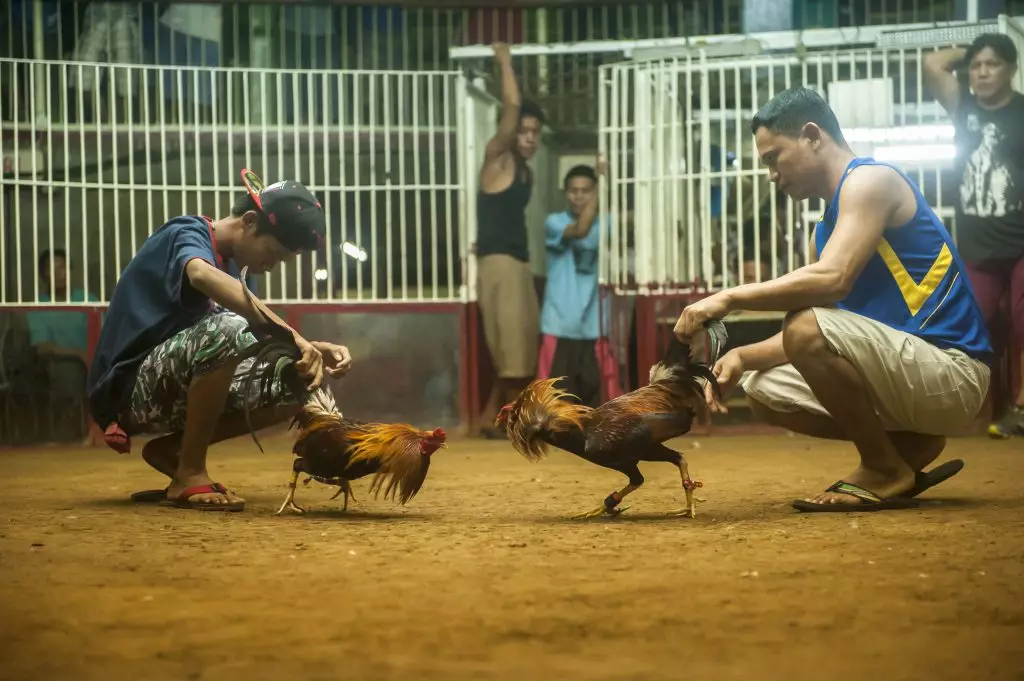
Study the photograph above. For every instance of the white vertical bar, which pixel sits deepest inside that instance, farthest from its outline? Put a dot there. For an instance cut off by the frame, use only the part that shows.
(301, 121)
(357, 180)
(463, 125)
(147, 144)
(723, 173)
(741, 171)
(449, 243)
(130, 97)
(311, 79)
(417, 205)
(773, 240)
(33, 189)
(389, 270)
(112, 73)
(101, 188)
(325, 195)
(756, 185)
(373, 186)
(265, 160)
(675, 158)
(403, 129)
(17, 188)
(790, 234)
(180, 122)
(707, 267)
(51, 192)
(342, 159)
(658, 221)
(215, 78)
(279, 123)
(432, 179)
(83, 220)
(196, 141)
(162, 107)
(691, 199)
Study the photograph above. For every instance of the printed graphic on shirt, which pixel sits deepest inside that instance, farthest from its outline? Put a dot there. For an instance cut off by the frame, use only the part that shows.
(988, 188)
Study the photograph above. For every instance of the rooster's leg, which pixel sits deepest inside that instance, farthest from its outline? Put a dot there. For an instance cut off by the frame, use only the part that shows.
(289, 501)
(610, 506)
(689, 485)
(612, 501)
(344, 487)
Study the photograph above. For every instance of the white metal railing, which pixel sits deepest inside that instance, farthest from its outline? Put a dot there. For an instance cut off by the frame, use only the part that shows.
(378, 149)
(676, 133)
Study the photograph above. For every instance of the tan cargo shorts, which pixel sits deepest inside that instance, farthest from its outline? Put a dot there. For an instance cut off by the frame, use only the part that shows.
(511, 315)
(915, 386)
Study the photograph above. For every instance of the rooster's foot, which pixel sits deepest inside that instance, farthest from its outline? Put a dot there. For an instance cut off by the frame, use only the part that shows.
(598, 512)
(290, 504)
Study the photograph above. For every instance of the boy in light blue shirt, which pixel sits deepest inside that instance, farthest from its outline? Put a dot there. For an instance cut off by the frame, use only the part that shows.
(574, 341)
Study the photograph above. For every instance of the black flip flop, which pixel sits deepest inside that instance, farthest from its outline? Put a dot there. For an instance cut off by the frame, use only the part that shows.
(925, 480)
(869, 501)
(149, 496)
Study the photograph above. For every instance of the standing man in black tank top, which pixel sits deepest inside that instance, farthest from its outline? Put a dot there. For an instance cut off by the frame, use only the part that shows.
(507, 297)
(989, 121)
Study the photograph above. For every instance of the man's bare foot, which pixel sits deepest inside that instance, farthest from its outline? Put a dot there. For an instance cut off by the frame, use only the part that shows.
(180, 485)
(884, 484)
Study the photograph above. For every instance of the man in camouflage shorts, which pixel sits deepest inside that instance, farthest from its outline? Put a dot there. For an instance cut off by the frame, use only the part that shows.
(170, 359)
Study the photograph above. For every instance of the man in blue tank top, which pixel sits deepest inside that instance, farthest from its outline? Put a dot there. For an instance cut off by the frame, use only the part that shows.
(884, 344)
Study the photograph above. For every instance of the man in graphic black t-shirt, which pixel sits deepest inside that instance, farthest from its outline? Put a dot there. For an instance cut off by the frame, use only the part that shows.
(989, 122)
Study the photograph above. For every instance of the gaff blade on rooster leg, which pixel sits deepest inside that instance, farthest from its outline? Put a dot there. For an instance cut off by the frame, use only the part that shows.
(610, 505)
(690, 510)
(289, 501)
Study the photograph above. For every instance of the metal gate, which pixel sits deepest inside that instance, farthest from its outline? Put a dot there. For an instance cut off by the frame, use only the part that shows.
(676, 136)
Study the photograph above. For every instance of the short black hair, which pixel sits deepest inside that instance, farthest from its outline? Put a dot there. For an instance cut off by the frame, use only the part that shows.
(531, 109)
(47, 256)
(245, 203)
(789, 111)
(999, 43)
(580, 171)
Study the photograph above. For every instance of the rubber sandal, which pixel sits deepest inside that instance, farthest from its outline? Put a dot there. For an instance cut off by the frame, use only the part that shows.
(926, 480)
(182, 500)
(149, 496)
(869, 501)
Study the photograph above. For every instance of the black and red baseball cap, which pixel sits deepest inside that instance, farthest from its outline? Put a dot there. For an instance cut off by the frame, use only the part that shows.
(296, 217)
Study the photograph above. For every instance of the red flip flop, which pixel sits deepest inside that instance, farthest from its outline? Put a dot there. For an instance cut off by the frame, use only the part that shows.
(182, 500)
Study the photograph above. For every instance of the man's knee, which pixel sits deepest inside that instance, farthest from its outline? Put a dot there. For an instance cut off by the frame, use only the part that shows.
(801, 335)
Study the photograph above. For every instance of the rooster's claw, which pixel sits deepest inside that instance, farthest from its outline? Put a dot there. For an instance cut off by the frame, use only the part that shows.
(598, 512)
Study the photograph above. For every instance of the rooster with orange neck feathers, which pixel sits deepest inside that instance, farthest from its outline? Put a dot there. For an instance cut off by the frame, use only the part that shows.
(332, 449)
(626, 430)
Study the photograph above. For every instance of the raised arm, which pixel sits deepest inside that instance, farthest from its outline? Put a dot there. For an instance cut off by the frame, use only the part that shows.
(581, 228)
(939, 76)
(504, 140)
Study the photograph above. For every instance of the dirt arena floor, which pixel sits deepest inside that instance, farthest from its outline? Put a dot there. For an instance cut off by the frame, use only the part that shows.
(482, 577)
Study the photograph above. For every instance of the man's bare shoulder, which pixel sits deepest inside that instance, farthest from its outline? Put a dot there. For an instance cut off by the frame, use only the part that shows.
(876, 188)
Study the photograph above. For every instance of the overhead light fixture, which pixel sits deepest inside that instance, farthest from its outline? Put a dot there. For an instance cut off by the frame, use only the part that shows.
(320, 274)
(939, 132)
(957, 34)
(911, 153)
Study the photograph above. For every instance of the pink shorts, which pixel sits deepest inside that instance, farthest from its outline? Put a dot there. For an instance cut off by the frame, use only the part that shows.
(992, 279)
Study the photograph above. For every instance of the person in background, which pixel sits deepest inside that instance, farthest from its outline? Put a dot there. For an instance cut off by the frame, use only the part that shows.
(60, 340)
(989, 123)
(574, 340)
(507, 296)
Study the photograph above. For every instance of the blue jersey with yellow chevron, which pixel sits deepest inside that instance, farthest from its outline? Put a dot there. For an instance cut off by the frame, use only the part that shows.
(915, 282)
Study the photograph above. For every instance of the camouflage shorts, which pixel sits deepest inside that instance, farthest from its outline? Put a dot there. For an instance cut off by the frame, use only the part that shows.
(159, 398)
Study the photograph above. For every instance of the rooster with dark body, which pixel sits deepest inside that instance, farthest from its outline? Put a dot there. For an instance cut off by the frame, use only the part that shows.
(620, 433)
(329, 448)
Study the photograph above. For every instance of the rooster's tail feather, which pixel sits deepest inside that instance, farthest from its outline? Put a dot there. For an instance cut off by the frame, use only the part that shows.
(403, 467)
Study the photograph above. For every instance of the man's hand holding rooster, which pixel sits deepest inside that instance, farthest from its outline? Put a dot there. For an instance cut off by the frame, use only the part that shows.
(728, 370)
(337, 359)
(692, 319)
